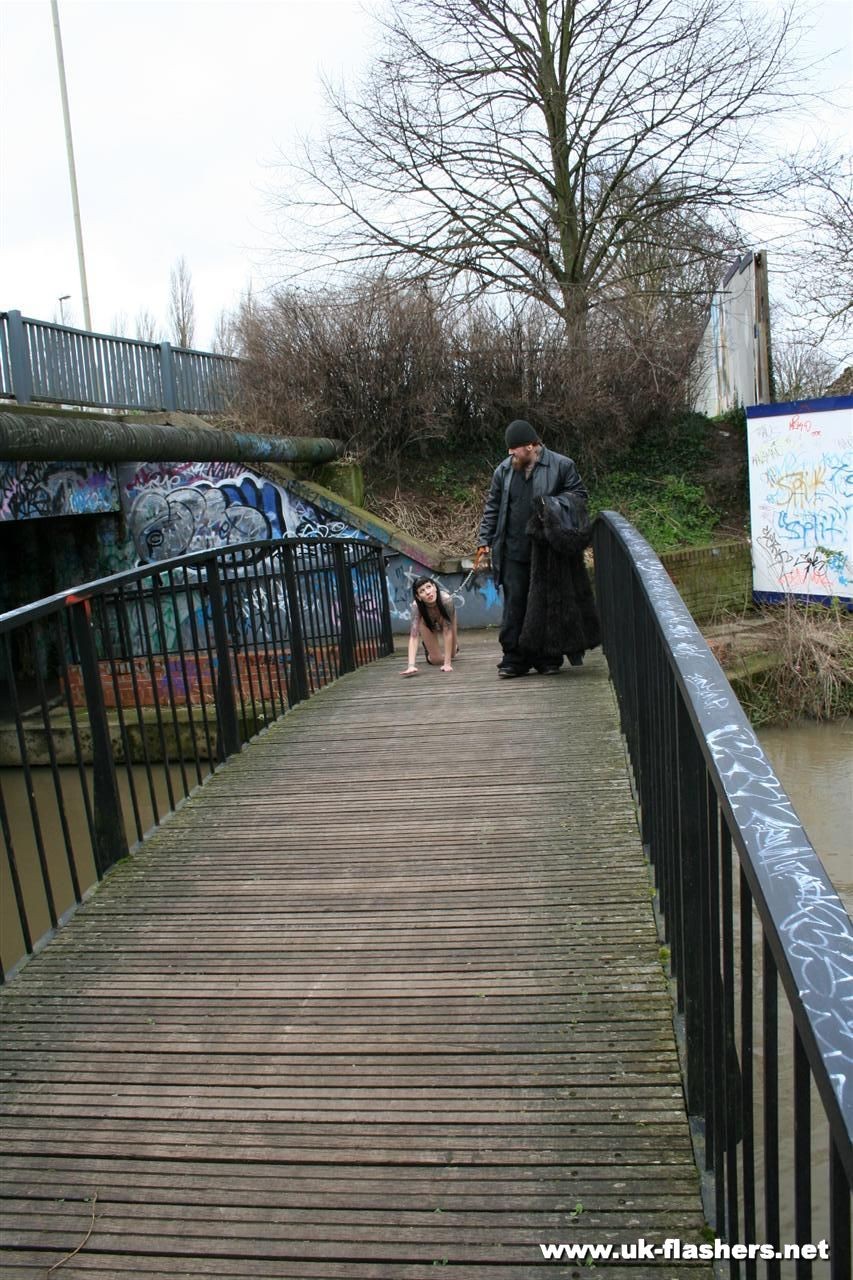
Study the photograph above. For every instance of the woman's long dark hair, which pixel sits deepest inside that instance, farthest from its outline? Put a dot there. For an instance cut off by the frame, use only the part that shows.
(422, 609)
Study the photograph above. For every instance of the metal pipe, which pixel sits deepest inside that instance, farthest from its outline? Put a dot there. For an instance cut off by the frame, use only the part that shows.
(37, 438)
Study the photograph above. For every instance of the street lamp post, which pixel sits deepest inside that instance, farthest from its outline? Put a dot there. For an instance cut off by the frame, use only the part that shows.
(62, 302)
(69, 146)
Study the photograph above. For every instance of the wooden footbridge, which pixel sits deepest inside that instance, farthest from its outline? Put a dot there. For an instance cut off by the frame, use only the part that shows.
(384, 998)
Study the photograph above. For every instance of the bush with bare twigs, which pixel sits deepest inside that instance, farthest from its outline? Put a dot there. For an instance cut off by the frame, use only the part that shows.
(401, 377)
(813, 676)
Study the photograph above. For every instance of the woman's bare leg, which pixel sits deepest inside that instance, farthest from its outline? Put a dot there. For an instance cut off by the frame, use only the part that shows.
(431, 645)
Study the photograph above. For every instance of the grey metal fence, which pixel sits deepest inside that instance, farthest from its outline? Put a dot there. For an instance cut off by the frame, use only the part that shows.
(45, 362)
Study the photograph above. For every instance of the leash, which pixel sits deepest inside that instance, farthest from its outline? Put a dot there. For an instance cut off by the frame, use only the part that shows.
(482, 564)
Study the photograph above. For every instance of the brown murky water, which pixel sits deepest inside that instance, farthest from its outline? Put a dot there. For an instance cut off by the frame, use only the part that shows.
(814, 763)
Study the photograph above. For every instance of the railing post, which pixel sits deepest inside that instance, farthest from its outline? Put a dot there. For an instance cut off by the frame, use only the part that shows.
(109, 840)
(691, 853)
(227, 728)
(382, 571)
(346, 598)
(19, 359)
(167, 376)
(297, 685)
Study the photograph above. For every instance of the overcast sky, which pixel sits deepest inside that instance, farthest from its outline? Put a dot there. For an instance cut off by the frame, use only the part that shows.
(179, 108)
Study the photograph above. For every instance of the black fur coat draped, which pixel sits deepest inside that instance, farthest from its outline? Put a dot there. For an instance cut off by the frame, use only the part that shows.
(561, 616)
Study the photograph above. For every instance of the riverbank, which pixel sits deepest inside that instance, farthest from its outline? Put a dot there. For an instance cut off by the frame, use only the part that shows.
(787, 662)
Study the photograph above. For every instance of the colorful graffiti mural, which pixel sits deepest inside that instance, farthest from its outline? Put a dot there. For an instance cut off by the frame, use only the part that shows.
(31, 490)
(172, 508)
(801, 498)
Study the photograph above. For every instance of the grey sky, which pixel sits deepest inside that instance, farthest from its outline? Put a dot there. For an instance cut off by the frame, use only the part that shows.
(178, 108)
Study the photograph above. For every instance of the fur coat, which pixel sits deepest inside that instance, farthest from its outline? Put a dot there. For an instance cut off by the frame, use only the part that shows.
(561, 616)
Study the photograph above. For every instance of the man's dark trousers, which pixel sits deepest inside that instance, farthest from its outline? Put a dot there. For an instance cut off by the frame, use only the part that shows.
(515, 582)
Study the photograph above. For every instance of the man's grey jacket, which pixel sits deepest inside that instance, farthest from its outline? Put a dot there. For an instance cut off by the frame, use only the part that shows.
(553, 476)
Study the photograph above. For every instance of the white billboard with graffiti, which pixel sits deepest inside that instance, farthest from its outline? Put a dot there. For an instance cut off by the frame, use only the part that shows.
(801, 499)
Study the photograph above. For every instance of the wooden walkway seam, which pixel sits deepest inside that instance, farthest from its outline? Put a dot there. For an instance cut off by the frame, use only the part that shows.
(383, 1001)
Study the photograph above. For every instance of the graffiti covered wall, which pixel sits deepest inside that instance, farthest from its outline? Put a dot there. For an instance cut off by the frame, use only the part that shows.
(801, 499)
(172, 508)
(33, 490)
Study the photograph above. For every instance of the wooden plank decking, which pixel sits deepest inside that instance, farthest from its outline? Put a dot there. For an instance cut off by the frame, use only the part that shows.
(383, 1000)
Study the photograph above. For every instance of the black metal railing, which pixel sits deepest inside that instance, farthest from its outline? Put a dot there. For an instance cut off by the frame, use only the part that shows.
(761, 946)
(53, 363)
(124, 695)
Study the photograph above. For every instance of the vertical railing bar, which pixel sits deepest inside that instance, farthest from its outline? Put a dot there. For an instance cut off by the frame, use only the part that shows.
(194, 633)
(802, 1155)
(28, 780)
(331, 635)
(65, 684)
(140, 717)
(155, 698)
(184, 672)
(221, 667)
(374, 569)
(57, 781)
(252, 650)
(235, 629)
(277, 603)
(340, 581)
(156, 595)
(117, 699)
(747, 1044)
(770, 1047)
(17, 889)
(839, 1216)
(717, 1054)
(299, 664)
(732, 1096)
(109, 842)
(272, 658)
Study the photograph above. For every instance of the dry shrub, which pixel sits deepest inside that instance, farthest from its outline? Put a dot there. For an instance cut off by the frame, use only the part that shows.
(814, 675)
(398, 374)
(449, 525)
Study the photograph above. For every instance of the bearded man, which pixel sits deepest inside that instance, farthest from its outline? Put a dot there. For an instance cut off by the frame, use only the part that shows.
(522, 489)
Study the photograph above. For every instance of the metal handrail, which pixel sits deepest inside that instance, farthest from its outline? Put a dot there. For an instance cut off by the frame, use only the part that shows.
(727, 850)
(54, 363)
(130, 691)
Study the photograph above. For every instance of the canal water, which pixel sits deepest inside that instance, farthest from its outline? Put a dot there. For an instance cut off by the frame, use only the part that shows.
(814, 762)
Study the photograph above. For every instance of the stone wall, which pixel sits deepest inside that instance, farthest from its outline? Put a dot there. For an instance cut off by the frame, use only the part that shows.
(712, 580)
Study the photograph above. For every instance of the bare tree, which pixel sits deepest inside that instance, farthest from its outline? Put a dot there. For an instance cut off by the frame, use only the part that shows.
(822, 254)
(146, 326)
(226, 337)
(181, 304)
(522, 146)
(800, 369)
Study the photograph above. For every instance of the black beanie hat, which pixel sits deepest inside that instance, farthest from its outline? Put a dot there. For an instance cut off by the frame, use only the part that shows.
(520, 432)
